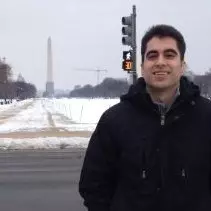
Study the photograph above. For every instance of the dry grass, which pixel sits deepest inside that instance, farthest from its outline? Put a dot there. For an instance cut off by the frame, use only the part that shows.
(46, 133)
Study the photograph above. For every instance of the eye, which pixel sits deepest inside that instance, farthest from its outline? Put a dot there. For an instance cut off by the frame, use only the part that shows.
(170, 55)
(151, 56)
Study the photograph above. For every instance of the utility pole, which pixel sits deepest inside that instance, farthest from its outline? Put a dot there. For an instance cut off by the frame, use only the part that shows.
(129, 38)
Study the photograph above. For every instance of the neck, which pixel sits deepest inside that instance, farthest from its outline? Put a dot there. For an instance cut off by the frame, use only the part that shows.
(163, 96)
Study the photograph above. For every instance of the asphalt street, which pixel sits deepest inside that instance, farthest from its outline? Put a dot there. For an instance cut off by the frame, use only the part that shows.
(40, 180)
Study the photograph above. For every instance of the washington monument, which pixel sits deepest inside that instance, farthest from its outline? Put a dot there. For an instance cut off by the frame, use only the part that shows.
(50, 83)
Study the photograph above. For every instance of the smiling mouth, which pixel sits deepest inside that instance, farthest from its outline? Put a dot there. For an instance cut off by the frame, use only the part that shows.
(161, 73)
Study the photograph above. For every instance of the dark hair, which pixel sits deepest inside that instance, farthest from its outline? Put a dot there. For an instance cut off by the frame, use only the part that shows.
(163, 31)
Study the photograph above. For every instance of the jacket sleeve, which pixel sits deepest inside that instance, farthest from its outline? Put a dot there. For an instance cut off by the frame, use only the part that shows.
(97, 179)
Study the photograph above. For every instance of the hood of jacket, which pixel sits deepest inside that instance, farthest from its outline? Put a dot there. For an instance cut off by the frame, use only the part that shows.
(138, 95)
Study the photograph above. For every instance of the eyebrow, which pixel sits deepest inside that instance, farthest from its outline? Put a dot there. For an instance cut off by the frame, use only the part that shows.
(151, 52)
(170, 50)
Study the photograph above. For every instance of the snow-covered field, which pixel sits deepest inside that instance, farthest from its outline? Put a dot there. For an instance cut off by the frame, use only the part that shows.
(43, 143)
(81, 110)
(50, 123)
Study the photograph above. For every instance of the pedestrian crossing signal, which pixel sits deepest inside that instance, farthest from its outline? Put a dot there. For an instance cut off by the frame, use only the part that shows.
(127, 55)
(127, 65)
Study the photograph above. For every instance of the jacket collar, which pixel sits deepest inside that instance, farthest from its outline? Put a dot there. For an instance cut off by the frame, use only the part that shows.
(138, 95)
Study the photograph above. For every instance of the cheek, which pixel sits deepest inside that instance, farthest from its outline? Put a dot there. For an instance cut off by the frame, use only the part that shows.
(146, 69)
(176, 65)
(178, 70)
(144, 73)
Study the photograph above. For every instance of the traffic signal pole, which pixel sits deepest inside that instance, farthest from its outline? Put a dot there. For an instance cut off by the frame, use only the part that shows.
(134, 73)
(129, 38)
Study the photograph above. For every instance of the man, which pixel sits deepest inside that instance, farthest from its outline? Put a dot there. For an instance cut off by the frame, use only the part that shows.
(152, 151)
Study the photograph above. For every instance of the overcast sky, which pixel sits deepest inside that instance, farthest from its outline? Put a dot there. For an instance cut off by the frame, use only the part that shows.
(87, 34)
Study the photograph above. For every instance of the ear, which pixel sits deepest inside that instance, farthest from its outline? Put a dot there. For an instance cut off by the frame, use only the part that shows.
(142, 68)
(184, 66)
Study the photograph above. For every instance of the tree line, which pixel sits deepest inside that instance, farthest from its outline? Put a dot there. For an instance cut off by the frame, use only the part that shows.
(112, 88)
(109, 88)
(14, 89)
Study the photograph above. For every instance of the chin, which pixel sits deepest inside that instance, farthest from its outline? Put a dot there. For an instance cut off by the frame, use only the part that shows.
(160, 85)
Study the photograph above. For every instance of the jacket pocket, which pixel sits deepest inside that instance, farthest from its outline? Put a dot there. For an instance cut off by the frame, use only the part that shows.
(181, 179)
(148, 177)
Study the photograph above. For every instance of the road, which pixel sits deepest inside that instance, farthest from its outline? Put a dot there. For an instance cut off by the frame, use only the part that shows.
(32, 179)
(40, 180)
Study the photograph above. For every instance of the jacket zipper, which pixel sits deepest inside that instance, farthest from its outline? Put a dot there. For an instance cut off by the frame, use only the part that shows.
(183, 173)
(162, 119)
(144, 165)
(144, 174)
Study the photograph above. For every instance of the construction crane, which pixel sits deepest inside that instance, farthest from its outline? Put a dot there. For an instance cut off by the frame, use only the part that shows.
(98, 71)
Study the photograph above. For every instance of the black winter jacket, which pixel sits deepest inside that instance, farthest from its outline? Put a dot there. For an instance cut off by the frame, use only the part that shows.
(138, 160)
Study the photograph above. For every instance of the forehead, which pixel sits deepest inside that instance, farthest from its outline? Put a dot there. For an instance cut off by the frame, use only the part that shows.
(161, 44)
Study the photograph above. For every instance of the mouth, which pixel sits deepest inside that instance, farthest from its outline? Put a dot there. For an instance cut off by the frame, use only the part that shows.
(161, 73)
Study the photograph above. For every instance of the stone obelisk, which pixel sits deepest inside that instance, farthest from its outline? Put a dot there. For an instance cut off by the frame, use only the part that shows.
(50, 83)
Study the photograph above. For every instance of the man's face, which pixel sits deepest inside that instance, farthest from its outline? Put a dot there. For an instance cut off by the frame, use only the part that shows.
(162, 66)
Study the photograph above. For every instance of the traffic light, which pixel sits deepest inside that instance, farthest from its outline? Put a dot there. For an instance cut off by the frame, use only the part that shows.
(129, 39)
(127, 55)
(127, 30)
(127, 63)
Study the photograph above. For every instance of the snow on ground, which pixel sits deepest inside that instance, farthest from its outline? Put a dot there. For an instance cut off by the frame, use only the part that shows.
(81, 110)
(13, 105)
(36, 115)
(83, 113)
(31, 119)
(71, 114)
(43, 143)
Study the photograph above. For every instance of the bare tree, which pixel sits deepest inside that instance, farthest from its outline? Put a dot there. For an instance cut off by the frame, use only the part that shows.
(5, 72)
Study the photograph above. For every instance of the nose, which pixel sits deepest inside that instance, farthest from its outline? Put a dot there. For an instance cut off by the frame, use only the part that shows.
(160, 60)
